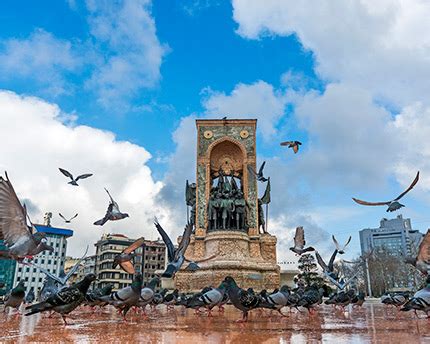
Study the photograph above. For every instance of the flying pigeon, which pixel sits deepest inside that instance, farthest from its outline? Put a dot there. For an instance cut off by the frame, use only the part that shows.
(340, 250)
(67, 220)
(15, 297)
(299, 242)
(113, 213)
(124, 258)
(422, 261)
(328, 269)
(394, 204)
(175, 256)
(243, 300)
(65, 300)
(340, 283)
(126, 297)
(62, 278)
(260, 177)
(292, 144)
(20, 236)
(74, 180)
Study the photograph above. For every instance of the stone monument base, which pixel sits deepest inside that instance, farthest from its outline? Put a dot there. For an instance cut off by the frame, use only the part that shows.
(250, 260)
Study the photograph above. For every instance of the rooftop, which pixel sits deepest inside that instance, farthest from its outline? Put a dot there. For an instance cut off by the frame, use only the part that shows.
(53, 230)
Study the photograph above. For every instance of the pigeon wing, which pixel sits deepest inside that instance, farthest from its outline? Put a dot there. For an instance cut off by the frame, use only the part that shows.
(113, 203)
(47, 273)
(66, 173)
(127, 267)
(167, 241)
(13, 216)
(139, 242)
(83, 176)
(76, 215)
(299, 238)
(186, 237)
(59, 214)
(424, 248)
(331, 261)
(414, 182)
(321, 262)
(286, 143)
(359, 201)
(260, 171)
(336, 243)
(348, 241)
(75, 267)
(252, 171)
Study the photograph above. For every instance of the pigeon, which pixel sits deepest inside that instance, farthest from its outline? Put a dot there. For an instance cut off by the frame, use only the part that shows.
(158, 298)
(113, 213)
(15, 297)
(299, 242)
(63, 277)
(340, 250)
(210, 299)
(420, 301)
(49, 288)
(395, 299)
(292, 144)
(394, 204)
(175, 256)
(327, 269)
(65, 300)
(260, 177)
(279, 299)
(29, 298)
(20, 237)
(311, 298)
(147, 293)
(127, 297)
(74, 180)
(358, 299)
(67, 220)
(192, 300)
(243, 299)
(340, 283)
(124, 258)
(92, 298)
(422, 261)
(170, 299)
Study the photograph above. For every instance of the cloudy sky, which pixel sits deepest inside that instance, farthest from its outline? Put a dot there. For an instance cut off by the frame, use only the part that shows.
(114, 88)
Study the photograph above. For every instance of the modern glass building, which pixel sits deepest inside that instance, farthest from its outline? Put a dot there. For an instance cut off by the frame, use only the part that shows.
(395, 235)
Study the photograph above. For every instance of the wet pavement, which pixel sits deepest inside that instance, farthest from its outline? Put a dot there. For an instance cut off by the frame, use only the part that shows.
(374, 323)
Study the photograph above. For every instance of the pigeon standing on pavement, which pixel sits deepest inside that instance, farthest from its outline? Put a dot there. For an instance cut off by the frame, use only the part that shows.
(127, 297)
(92, 298)
(74, 180)
(311, 298)
(210, 299)
(113, 213)
(292, 144)
(299, 242)
(124, 258)
(260, 176)
(279, 299)
(394, 204)
(20, 236)
(29, 298)
(15, 297)
(65, 300)
(175, 256)
(420, 301)
(147, 293)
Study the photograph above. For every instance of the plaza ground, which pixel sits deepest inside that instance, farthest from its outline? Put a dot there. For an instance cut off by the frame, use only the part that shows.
(374, 323)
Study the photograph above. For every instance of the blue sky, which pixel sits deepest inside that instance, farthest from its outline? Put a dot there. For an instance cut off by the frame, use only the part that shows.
(143, 71)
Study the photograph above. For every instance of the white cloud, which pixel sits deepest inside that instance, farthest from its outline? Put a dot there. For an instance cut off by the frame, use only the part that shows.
(36, 142)
(131, 54)
(258, 100)
(382, 46)
(42, 58)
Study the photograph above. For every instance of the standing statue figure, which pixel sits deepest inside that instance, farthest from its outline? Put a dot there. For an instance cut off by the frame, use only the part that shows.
(261, 222)
(226, 209)
(47, 219)
(240, 210)
(213, 209)
(190, 199)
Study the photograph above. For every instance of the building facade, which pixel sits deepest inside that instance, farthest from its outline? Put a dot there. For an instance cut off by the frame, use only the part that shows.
(51, 261)
(7, 272)
(395, 235)
(149, 258)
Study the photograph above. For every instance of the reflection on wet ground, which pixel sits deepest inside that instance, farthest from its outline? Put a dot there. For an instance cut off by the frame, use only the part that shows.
(374, 323)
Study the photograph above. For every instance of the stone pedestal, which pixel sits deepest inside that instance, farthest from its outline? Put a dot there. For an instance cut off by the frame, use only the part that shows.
(251, 261)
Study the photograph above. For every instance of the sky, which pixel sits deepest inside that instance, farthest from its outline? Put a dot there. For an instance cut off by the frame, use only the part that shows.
(114, 88)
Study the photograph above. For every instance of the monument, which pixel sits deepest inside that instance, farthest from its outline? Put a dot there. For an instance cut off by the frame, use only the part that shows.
(230, 236)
